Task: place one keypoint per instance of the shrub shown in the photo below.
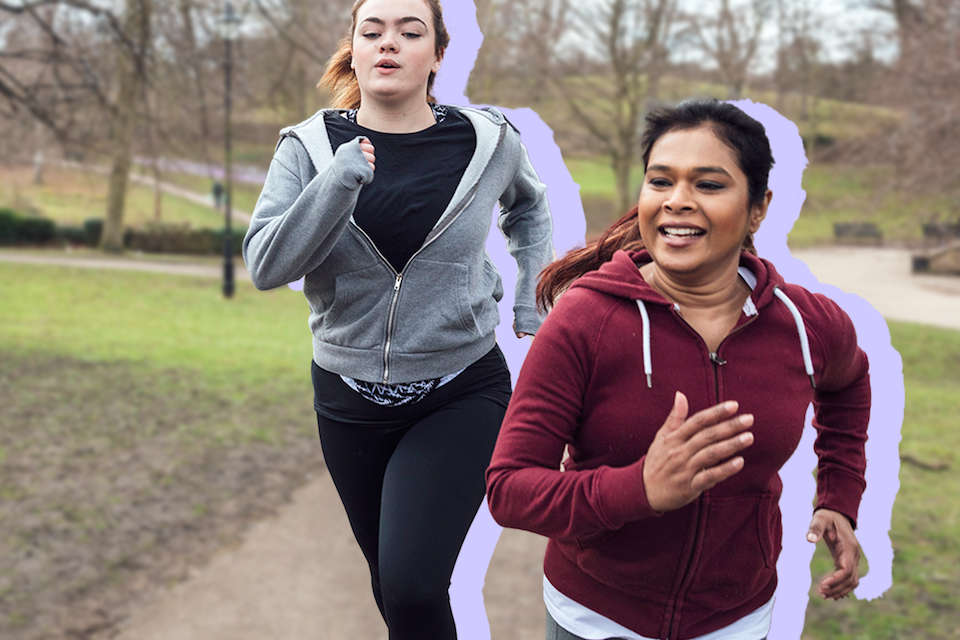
(94, 229)
(8, 226)
(169, 238)
(71, 234)
(16, 228)
(237, 234)
(36, 230)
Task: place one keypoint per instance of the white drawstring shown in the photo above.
(801, 329)
(797, 318)
(647, 366)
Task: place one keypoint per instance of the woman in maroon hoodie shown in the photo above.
(676, 370)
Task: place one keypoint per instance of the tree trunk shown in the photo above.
(622, 164)
(38, 155)
(132, 69)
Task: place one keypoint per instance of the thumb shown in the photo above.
(815, 532)
(678, 413)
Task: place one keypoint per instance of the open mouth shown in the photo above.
(387, 65)
(681, 232)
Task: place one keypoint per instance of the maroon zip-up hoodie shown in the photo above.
(687, 572)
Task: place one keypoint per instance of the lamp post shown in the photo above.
(229, 26)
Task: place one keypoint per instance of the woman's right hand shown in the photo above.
(690, 455)
(368, 152)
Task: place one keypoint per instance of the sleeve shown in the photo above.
(528, 228)
(525, 487)
(841, 415)
(294, 225)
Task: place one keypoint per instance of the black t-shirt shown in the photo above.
(415, 179)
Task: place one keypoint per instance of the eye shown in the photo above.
(370, 35)
(412, 35)
(710, 186)
(658, 182)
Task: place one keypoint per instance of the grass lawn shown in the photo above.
(924, 601)
(146, 421)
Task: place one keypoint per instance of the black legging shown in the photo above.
(411, 490)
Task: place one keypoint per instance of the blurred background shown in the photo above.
(144, 422)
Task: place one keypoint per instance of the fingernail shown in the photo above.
(730, 405)
(746, 438)
(738, 462)
(746, 418)
(812, 537)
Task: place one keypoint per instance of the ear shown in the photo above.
(759, 211)
(436, 65)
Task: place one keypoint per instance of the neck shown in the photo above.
(717, 291)
(401, 117)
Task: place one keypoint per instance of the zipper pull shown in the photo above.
(396, 285)
(715, 359)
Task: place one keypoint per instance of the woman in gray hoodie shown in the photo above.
(383, 206)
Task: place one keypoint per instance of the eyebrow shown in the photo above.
(397, 22)
(663, 167)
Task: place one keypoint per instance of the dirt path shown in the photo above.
(301, 575)
(882, 277)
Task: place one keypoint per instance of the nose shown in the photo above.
(388, 43)
(679, 199)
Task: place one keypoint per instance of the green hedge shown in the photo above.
(19, 229)
(180, 238)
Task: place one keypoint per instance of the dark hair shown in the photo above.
(340, 79)
(742, 134)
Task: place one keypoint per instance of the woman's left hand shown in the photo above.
(835, 529)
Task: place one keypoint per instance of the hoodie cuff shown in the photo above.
(351, 166)
(840, 492)
(623, 495)
(526, 319)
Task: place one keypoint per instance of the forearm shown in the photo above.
(295, 226)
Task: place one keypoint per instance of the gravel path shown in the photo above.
(883, 278)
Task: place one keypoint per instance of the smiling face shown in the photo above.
(394, 50)
(694, 210)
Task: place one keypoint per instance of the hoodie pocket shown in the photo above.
(357, 315)
(434, 310)
(641, 557)
(737, 556)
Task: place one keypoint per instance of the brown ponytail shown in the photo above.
(341, 81)
(339, 78)
(623, 234)
(557, 276)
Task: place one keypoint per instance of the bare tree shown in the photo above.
(603, 62)
(799, 57)
(731, 38)
(925, 147)
(131, 74)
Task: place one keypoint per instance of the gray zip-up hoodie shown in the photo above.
(438, 314)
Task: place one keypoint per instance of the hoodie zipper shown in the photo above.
(716, 362)
(391, 313)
